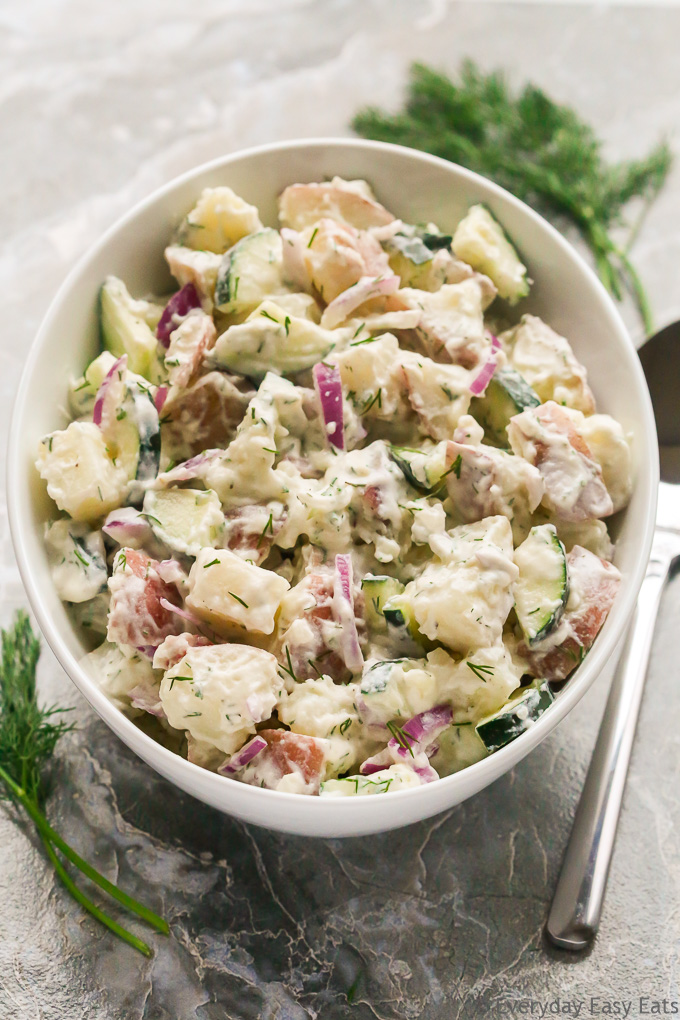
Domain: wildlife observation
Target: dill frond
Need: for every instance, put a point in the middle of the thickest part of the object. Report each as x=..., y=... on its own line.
x=540, y=150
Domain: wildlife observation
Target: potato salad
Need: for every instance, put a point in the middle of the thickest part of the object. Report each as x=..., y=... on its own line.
x=332, y=511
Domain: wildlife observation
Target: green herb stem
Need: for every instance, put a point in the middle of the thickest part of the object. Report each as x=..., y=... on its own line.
x=47, y=832
x=92, y=908
x=28, y=736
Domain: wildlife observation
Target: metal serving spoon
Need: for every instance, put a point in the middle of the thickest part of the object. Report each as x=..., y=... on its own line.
x=575, y=912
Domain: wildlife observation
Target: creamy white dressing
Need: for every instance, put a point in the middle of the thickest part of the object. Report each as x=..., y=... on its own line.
x=241, y=603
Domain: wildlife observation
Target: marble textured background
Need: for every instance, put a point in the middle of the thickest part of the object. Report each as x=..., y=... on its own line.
x=98, y=105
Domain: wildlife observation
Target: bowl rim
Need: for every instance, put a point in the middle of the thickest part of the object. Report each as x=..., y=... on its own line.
x=484, y=771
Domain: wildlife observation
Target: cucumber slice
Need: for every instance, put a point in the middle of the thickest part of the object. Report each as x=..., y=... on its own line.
x=401, y=622
x=411, y=254
x=186, y=520
x=124, y=329
x=480, y=241
x=507, y=394
x=135, y=436
x=542, y=588
x=82, y=392
x=271, y=340
x=93, y=615
x=378, y=589
x=423, y=469
x=249, y=272
x=409, y=258
x=142, y=414
x=516, y=716
x=458, y=746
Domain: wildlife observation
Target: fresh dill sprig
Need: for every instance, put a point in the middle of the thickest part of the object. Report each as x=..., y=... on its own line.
x=540, y=150
x=28, y=737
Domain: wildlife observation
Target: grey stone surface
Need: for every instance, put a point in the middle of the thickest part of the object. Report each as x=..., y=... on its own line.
x=98, y=105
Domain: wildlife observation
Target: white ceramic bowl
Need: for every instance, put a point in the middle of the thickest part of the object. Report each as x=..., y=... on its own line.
x=416, y=187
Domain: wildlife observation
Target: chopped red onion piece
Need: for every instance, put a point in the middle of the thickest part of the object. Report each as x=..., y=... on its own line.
x=343, y=613
x=483, y=378
x=376, y=763
x=184, y=613
x=414, y=743
x=146, y=698
x=426, y=773
x=429, y=724
x=179, y=306
x=366, y=288
x=328, y=386
x=190, y=618
x=100, y=400
x=148, y=650
x=160, y=397
x=126, y=525
x=242, y=757
x=190, y=468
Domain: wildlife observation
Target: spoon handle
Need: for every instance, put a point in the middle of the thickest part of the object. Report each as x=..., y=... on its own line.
x=575, y=911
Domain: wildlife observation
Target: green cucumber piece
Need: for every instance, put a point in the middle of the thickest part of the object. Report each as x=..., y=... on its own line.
x=542, y=588
x=249, y=272
x=481, y=241
x=136, y=433
x=507, y=394
x=515, y=717
x=458, y=746
x=401, y=622
x=378, y=589
x=186, y=520
x=423, y=469
x=413, y=249
x=271, y=340
x=434, y=240
x=124, y=329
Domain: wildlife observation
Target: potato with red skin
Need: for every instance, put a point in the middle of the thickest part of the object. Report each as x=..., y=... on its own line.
x=175, y=648
x=594, y=584
x=189, y=343
x=307, y=629
x=349, y=202
x=287, y=754
x=203, y=417
x=547, y=437
x=250, y=530
x=337, y=256
x=483, y=482
x=136, y=616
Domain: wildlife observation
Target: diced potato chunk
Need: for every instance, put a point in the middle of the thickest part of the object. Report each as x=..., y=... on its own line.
x=396, y=777
x=218, y=220
x=392, y=689
x=218, y=693
x=225, y=590
x=81, y=477
x=478, y=684
x=545, y=359
x=117, y=674
x=464, y=600
x=352, y=202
